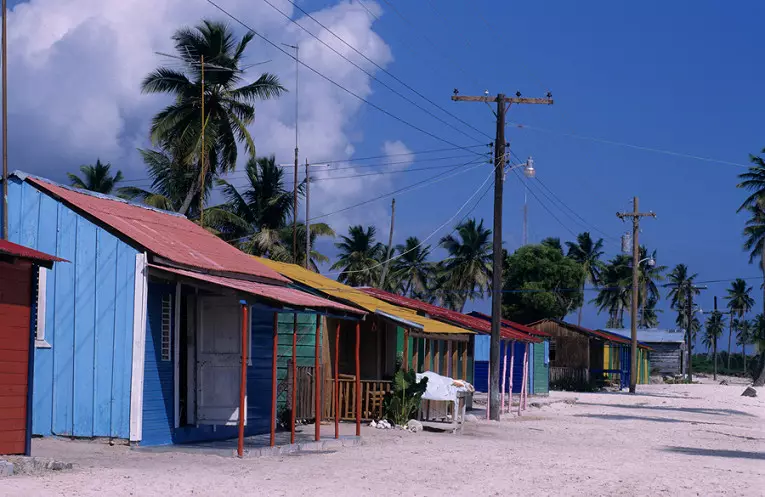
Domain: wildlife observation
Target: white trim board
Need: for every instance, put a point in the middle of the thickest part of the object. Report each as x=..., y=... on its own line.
x=139, y=348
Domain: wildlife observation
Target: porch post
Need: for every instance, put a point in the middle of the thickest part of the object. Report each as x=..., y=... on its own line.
x=358, y=379
x=243, y=381
x=405, y=363
x=488, y=389
x=337, y=380
x=447, y=359
x=512, y=363
x=317, y=380
x=428, y=346
x=465, y=347
x=455, y=355
x=416, y=354
x=523, y=379
x=294, y=377
x=504, y=379
x=274, y=359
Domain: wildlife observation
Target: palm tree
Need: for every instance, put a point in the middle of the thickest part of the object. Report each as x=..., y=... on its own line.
x=740, y=303
x=552, y=242
x=753, y=181
x=228, y=108
x=360, y=257
x=587, y=253
x=96, y=178
x=467, y=270
x=614, y=295
x=648, y=275
x=650, y=316
x=714, y=330
x=412, y=267
x=744, y=336
x=680, y=283
x=171, y=180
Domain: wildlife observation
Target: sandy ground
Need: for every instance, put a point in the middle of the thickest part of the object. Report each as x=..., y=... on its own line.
x=672, y=440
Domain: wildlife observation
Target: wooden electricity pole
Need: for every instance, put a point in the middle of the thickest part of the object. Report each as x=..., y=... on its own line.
x=4, y=57
x=390, y=244
x=503, y=103
x=635, y=215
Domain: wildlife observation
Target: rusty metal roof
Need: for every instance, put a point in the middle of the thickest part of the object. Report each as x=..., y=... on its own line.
x=512, y=324
x=165, y=234
x=280, y=294
x=442, y=314
x=22, y=252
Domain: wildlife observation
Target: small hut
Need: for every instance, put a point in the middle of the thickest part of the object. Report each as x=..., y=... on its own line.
x=22, y=279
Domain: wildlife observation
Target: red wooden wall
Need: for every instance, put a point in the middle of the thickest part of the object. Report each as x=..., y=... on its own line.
x=15, y=309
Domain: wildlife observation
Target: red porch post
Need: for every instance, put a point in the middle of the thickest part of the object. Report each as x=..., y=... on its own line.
x=294, y=377
x=273, y=379
x=358, y=379
x=317, y=380
x=243, y=382
x=337, y=380
x=512, y=364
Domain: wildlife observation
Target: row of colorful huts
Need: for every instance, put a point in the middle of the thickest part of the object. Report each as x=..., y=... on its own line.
x=125, y=322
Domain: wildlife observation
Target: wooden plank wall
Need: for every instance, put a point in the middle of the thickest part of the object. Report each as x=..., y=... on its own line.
x=82, y=382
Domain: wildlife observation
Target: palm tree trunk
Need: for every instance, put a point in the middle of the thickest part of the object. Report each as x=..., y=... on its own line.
x=714, y=345
x=189, y=197
x=743, y=352
x=760, y=380
x=730, y=334
x=581, y=307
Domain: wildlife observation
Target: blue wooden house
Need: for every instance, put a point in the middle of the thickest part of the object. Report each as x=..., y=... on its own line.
x=141, y=334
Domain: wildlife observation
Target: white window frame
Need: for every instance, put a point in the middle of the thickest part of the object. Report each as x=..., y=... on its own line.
x=42, y=290
x=166, y=332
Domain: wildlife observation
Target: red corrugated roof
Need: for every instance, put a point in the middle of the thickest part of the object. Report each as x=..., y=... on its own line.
x=281, y=294
x=165, y=234
x=512, y=324
x=440, y=313
x=16, y=250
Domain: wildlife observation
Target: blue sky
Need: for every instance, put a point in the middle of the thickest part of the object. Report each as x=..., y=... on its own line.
x=681, y=76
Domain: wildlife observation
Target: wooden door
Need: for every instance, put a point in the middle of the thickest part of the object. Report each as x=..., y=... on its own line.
x=219, y=361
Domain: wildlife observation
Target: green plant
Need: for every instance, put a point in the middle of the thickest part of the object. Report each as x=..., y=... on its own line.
x=403, y=401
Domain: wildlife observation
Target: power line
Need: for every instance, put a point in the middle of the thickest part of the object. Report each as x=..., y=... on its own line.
x=431, y=235
x=629, y=145
x=413, y=186
x=236, y=174
x=545, y=207
x=353, y=94
x=381, y=69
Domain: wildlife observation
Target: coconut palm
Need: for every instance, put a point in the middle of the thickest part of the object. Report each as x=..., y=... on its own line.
x=552, y=242
x=714, y=329
x=740, y=303
x=96, y=178
x=467, y=270
x=228, y=108
x=412, y=267
x=753, y=181
x=679, y=281
x=744, y=336
x=360, y=257
x=648, y=276
x=587, y=252
x=171, y=179
x=614, y=295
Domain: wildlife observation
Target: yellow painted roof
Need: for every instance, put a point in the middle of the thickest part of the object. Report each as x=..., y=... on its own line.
x=357, y=297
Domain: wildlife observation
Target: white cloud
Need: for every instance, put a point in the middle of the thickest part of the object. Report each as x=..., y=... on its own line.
x=75, y=68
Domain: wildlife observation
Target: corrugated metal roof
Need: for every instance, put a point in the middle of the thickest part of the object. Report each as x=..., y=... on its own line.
x=434, y=311
x=355, y=296
x=16, y=250
x=164, y=234
x=281, y=294
x=512, y=324
x=651, y=335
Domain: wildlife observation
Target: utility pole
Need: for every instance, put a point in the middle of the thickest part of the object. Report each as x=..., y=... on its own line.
x=635, y=215
x=202, y=154
x=503, y=103
x=307, y=226
x=295, y=179
x=4, y=56
x=390, y=243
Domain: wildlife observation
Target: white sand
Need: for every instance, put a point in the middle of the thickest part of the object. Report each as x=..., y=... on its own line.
x=668, y=440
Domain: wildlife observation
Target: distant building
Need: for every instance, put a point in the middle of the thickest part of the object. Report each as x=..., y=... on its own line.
x=667, y=348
